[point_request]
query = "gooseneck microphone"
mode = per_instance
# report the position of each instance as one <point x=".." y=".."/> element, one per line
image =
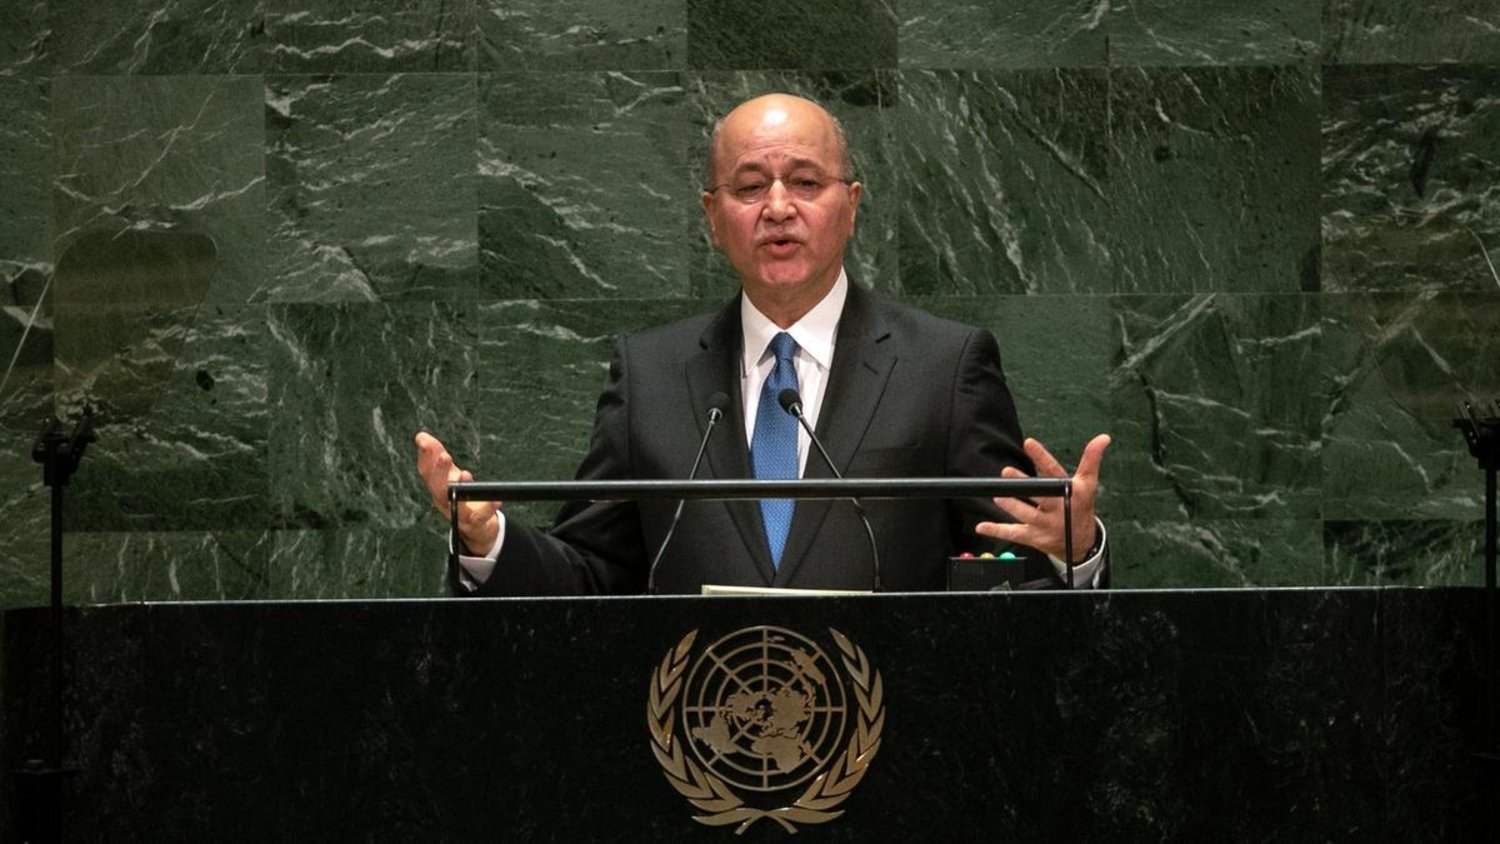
<point x="716" y="404"/>
<point x="791" y="402"/>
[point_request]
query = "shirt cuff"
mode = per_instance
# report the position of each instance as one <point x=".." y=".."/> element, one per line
<point x="1087" y="573"/>
<point x="474" y="571"/>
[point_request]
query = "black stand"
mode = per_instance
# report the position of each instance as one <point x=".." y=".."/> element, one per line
<point x="39" y="781"/>
<point x="1483" y="436"/>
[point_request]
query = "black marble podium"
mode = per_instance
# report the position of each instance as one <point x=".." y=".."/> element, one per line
<point x="1298" y="714"/>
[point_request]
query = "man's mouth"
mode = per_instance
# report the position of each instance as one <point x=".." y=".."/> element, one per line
<point x="780" y="246"/>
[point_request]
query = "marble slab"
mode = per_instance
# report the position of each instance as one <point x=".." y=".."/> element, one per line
<point x="185" y="37"/>
<point x="1397" y="366"/>
<point x="370" y="181"/>
<point x="25" y="549"/>
<point x="1219" y="553"/>
<point x="1004" y="182"/>
<point x="183" y="416"/>
<point x="1427" y="552"/>
<point x="23" y="38"/>
<point x="1217" y="407"/>
<point x="1149" y="180"/>
<point x="165" y="153"/>
<point x="584" y="188"/>
<point x="1046" y="33"/>
<point x="1410" y="198"/>
<point x="565" y="35"/>
<point x="1369" y="31"/>
<point x="25" y="252"/>
<point x="834" y="34"/>
<point x="344" y="36"/>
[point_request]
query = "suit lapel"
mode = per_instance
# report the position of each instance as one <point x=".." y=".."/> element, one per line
<point x="716" y="368"/>
<point x="862" y="362"/>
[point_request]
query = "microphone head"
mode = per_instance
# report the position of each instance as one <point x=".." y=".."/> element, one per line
<point x="791" y="401"/>
<point x="717" y="404"/>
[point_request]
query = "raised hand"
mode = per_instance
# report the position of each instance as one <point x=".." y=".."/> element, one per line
<point x="1040" y="525"/>
<point x="478" y="521"/>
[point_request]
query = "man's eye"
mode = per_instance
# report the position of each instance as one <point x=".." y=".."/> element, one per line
<point x="749" y="188"/>
<point x="806" y="183"/>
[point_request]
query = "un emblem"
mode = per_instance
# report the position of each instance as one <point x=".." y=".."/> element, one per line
<point x="760" y="712"/>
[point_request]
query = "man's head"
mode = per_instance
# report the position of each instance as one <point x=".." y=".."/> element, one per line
<point x="780" y="202"/>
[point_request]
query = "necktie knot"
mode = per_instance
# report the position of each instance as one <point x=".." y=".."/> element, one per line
<point x="783" y="347"/>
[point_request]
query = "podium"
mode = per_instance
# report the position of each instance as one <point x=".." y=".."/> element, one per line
<point x="1286" y="714"/>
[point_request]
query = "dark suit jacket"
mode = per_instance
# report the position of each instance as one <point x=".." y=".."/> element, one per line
<point x="908" y="395"/>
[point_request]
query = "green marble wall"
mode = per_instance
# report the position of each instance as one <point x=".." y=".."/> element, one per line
<point x="1246" y="238"/>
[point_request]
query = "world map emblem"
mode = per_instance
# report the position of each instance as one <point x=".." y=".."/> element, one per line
<point x="761" y="717"/>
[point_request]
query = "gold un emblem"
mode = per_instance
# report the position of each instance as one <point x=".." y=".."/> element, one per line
<point x="762" y="714"/>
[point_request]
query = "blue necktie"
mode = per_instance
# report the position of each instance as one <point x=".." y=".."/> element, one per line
<point x="773" y="448"/>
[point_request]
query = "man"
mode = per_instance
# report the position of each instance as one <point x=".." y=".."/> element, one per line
<point x="892" y="392"/>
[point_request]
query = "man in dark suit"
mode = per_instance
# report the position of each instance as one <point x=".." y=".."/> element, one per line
<point x="891" y="391"/>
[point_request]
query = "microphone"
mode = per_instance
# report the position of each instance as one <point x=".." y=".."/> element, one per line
<point x="791" y="402"/>
<point x="716" y="404"/>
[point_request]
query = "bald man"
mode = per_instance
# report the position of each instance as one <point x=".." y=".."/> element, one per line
<point x="890" y="390"/>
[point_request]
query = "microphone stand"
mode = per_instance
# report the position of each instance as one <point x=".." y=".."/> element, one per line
<point x="791" y="402"/>
<point x="39" y="782"/>
<point x="1483" y="436"/>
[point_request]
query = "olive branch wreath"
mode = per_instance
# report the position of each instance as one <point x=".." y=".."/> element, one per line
<point x="721" y="805"/>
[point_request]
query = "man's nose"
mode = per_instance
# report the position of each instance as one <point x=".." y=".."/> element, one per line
<point x="779" y="204"/>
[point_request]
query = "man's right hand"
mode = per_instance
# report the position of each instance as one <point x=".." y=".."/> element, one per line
<point x="478" y="521"/>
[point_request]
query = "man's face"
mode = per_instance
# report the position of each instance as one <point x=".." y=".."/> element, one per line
<point x="780" y="210"/>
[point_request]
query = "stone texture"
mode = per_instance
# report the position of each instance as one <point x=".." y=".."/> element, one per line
<point x="1363" y="31"/>
<point x="1223" y="553"/>
<point x="25" y="253"/>
<point x="157" y="36"/>
<point x="372" y="188"/>
<point x="25" y="548"/>
<point x="368" y="563"/>
<point x="344" y="36"/>
<point x="582" y="35"/>
<point x="123" y="567"/>
<point x="341" y="424"/>
<point x="1217" y="406"/>
<point x="1004" y="182"/>
<point x="1141" y="180"/>
<point x="181" y="397"/>
<point x="787" y="34"/>
<point x="1404" y="551"/>
<point x="23" y="38"/>
<point x="1213" y="181"/>
<point x="1045" y="33"/>
<point x="1411" y="178"/>
<point x="1397" y="365"/>
<point x="584" y="190"/>
<point x="175" y="153"/>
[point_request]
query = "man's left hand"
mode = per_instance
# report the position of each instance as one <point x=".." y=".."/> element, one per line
<point x="1040" y="524"/>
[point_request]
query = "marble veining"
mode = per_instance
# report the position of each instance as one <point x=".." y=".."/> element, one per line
<point x="371" y="183"/>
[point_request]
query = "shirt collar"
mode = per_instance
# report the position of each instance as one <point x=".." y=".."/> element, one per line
<point x="814" y="333"/>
